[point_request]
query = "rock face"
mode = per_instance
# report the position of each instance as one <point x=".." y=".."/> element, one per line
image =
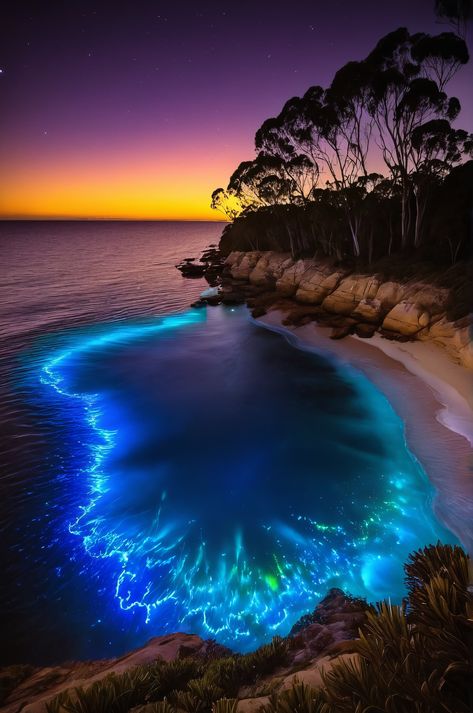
<point x="316" y="284"/>
<point x="407" y="318"/>
<point x="241" y="264"/>
<point x="349" y="293"/>
<point x="455" y="337"/>
<point x="399" y="310"/>
<point x="270" y="268"/>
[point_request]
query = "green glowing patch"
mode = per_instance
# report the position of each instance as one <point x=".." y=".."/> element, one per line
<point x="271" y="581"/>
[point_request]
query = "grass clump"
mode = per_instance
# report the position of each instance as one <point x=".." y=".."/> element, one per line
<point x="301" y="698"/>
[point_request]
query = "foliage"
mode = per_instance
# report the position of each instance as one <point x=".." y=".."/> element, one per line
<point x="190" y="684"/>
<point x="298" y="699"/>
<point x="311" y="185"/>
<point x="174" y="676"/>
<point x="418" y="659"/>
<point x="225" y="705"/>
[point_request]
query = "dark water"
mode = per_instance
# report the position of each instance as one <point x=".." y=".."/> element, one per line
<point x="167" y="468"/>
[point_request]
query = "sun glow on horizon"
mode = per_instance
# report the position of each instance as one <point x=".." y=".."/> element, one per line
<point x="138" y="182"/>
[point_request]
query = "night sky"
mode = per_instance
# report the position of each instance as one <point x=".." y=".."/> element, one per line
<point x="140" y="109"/>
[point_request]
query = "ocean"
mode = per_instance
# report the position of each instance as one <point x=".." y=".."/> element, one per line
<point x="166" y="468"/>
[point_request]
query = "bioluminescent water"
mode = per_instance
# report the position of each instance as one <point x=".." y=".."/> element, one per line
<point x="179" y="469"/>
<point x="227" y="479"/>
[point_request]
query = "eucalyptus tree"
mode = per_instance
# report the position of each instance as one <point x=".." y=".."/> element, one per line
<point x="404" y="95"/>
<point x="261" y="182"/>
<point x="456" y="12"/>
<point x="284" y="138"/>
<point x="225" y="203"/>
<point x="439" y="56"/>
<point x="331" y="130"/>
<point x="437" y="147"/>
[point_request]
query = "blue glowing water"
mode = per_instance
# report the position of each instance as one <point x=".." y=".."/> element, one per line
<point x="180" y="469"/>
<point x="231" y="479"/>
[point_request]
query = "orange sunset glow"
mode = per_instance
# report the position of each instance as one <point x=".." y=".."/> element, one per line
<point x="122" y="185"/>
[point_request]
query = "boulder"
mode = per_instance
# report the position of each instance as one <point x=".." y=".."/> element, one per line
<point x="316" y="283"/>
<point x="455" y="337"/>
<point x="390" y="293"/>
<point x="343" y="330"/>
<point x="242" y="266"/>
<point x="233" y="258"/>
<point x="350" y="292"/>
<point x="369" y="310"/>
<point x="365" y="331"/>
<point x="191" y="269"/>
<point x="290" y="279"/>
<point x="269" y="268"/>
<point x="406" y="318"/>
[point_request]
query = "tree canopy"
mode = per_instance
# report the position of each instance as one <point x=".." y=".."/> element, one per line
<point x="324" y="152"/>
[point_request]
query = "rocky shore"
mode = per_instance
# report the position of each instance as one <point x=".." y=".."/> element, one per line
<point x="347" y="301"/>
<point x="318" y="640"/>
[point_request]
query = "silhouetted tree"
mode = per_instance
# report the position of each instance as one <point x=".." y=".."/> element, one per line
<point x="456" y="12"/>
<point x="404" y="96"/>
<point x="310" y="187"/>
<point x="225" y="203"/>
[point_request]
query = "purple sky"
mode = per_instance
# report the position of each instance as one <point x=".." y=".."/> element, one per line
<point x="153" y="104"/>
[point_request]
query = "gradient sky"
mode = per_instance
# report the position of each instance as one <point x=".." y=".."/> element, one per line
<point x="140" y="109"/>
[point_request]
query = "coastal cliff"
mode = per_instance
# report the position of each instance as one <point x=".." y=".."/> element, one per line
<point x="350" y="302"/>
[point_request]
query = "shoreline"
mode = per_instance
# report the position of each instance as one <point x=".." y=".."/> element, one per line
<point x="430" y="393"/>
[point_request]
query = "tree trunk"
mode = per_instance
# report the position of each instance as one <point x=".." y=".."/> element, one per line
<point x="370" y="247"/>
<point x="354" y="237"/>
<point x="390" y="244"/>
<point x="420" y="213"/>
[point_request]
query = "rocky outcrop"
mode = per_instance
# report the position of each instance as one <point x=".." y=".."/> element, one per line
<point x="356" y="303"/>
<point x="406" y="318"/>
<point x="269" y="268"/>
<point x="317" y="284"/>
<point x="314" y="643"/>
<point x="455" y="337"/>
<point x="43" y="684"/>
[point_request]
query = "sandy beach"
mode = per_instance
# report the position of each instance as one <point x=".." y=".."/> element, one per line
<point x="431" y="394"/>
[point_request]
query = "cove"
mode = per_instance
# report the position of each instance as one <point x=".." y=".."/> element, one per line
<point x="224" y="479"/>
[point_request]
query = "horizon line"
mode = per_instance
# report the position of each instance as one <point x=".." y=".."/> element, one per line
<point x="51" y="219"/>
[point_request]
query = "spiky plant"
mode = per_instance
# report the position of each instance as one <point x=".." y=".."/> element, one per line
<point x="418" y="661"/>
<point x="158" y="707"/>
<point x="172" y="676"/>
<point x="227" y="674"/>
<point x="264" y="660"/>
<point x="225" y="705"/>
<point x="301" y="698"/>
<point x="444" y="560"/>
<point x="185" y="701"/>
<point x="206" y="692"/>
<point x="440" y="606"/>
<point x="56" y="704"/>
